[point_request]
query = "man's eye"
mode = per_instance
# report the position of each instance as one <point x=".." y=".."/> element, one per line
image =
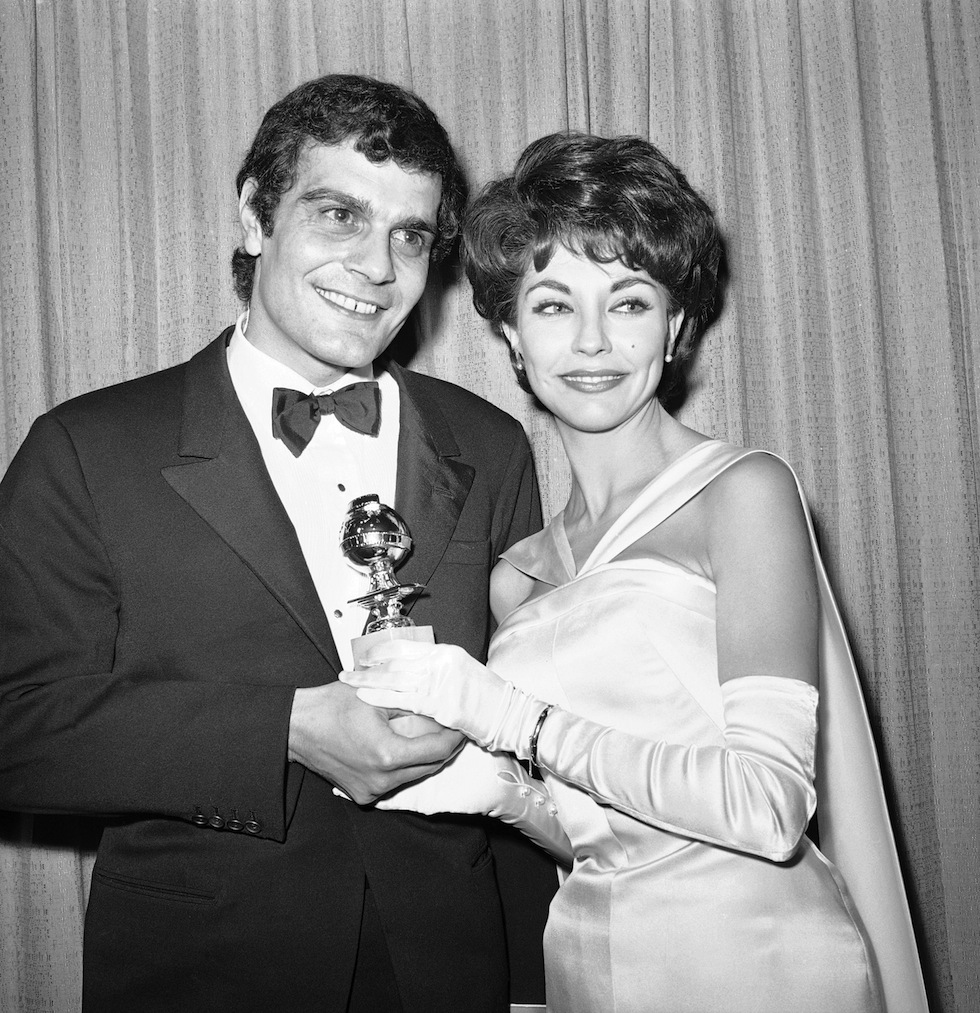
<point x="412" y="242"/>
<point x="341" y="217"/>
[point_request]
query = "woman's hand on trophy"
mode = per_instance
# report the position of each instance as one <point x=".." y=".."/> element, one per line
<point x="445" y="683"/>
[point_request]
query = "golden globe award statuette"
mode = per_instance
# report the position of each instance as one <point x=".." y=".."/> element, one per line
<point x="375" y="538"/>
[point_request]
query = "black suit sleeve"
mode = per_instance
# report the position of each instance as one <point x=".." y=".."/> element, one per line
<point x="81" y="732"/>
<point x="526" y="876"/>
<point x="518" y="505"/>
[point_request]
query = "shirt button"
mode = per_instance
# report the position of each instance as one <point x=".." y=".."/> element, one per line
<point x="342" y="487"/>
<point x="337" y="614"/>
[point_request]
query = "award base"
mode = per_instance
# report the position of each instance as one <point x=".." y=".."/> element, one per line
<point x="409" y="725"/>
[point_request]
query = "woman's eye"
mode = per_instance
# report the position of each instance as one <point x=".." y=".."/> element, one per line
<point x="550" y="308"/>
<point x="632" y="305"/>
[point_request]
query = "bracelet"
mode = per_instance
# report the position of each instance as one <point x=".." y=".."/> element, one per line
<point x="532" y="763"/>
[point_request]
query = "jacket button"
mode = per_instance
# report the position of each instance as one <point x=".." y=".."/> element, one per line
<point x="216" y="821"/>
<point x="252" y="826"/>
<point x="235" y="823"/>
<point x="199" y="819"/>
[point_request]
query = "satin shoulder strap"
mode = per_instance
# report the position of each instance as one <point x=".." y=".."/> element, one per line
<point x="665" y="495"/>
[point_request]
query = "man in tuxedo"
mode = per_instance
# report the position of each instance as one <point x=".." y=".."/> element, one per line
<point x="174" y="609"/>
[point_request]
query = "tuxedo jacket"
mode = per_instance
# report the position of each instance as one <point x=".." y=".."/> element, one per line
<point x="157" y="614"/>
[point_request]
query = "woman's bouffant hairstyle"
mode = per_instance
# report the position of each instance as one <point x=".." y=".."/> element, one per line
<point x="382" y="120"/>
<point x="607" y="199"/>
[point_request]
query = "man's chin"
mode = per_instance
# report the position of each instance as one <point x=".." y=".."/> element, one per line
<point x="345" y="356"/>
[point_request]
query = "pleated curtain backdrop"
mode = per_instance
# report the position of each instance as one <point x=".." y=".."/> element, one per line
<point x="838" y="140"/>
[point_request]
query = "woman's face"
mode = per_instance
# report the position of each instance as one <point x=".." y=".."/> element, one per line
<point x="593" y="338"/>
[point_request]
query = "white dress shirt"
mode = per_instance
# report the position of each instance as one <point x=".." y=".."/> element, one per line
<point x="316" y="488"/>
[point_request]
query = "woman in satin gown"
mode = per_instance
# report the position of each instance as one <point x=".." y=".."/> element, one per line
<point x="662" y="641"/>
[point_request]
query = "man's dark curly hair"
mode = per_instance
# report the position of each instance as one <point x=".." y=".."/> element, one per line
<point x="606" y="199"/>
<point x="383" y="121"/>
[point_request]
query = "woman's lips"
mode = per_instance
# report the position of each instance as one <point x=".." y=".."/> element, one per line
<point x="591" y="382"/>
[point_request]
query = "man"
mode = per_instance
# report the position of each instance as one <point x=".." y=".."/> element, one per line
<point x="175" y="606"/>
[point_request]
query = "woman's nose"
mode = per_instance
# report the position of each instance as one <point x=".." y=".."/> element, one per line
<point x="591" y="337"/>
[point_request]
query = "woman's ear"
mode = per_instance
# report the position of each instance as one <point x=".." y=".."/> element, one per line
<point x="512" y="338"/>
<point x="251" y="226"/>
<point x="674" y="325"/>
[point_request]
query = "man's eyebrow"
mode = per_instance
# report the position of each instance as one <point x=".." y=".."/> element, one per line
<point x="326" y="195"/>
<point x="417" y="224"/>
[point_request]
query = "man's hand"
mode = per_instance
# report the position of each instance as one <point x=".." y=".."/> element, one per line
<point x="353" y="746"/>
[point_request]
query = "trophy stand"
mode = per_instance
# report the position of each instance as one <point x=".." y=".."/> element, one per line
<point x="375" y="538"/>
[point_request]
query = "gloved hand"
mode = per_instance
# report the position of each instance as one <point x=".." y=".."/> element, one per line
<point x="489" y="784"/>
<point x="445" y="683"/>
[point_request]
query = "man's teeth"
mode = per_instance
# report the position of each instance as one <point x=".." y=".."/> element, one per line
<point x="347" y="303"/>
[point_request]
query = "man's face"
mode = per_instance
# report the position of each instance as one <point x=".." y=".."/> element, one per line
<point x="346" y="262"/>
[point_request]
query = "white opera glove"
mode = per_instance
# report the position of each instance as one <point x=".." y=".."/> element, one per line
<point x="445" y="683"/>
<point x="488" y="784"/>
<point x="753" y="794"/>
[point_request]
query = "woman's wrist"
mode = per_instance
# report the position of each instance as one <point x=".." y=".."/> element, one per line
<point x="532" y="746"/>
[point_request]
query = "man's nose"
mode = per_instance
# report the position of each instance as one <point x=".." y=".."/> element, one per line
<point x="370" y="256"/>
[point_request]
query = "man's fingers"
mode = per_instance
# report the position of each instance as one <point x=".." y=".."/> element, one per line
<point x="430" y="748"/>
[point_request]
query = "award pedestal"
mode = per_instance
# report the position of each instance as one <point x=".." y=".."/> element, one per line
<point x="360" y="645"/>
<point x="409" y="725"/>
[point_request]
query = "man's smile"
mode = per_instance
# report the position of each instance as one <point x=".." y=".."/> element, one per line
<point x="347" y="303"/>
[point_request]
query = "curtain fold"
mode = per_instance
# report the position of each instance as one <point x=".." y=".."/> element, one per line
<point x="839" y="142"/>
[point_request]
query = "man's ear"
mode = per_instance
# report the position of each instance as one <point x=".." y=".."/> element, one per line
<point x="251" y="227"/>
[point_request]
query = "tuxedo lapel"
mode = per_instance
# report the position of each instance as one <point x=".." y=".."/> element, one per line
<point x="432" y="486"/>
<point x="226" y="482"/>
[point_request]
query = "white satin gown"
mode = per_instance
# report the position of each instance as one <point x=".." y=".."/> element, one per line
<point x="651" y="921"/>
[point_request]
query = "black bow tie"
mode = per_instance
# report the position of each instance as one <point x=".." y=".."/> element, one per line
<point x="295" y="416"/>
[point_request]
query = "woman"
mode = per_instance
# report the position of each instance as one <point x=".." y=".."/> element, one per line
<point x="659" y="651"/>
